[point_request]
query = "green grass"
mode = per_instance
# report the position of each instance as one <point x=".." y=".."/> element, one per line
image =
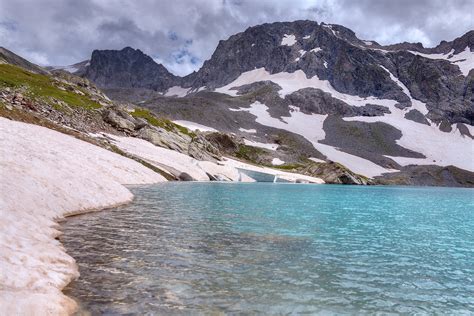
<point x="288" y="166"/>
<point x="249" y="153"/>
<point x="42" y="88"/>
<point x="160" y="122"/>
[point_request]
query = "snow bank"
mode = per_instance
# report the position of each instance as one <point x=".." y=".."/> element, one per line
<point x="177" y="163"/>
<point x="195" y="126"/>
<point x="46" y="175"/>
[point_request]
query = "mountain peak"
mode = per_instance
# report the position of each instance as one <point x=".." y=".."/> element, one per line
<point x="128" y="68"/>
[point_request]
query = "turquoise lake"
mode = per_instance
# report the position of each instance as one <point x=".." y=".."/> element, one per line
<point x="233" y="248"/>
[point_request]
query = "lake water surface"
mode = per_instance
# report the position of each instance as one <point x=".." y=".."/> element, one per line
<point x="233" y="248"/>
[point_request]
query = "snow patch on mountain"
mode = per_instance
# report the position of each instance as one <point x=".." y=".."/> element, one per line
<point x="277" y="162"/>
<point x="177" y="91"/>
<point x="288" y="40"/>
<point x="291" y="82"/>
<point x="464" y="60"/>
<point x="439" y="148"/>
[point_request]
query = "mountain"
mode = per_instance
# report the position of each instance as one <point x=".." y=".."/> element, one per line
<point x="78" y="69"/>
<point x="127" y="68"/>
<point x="316" y="91"/>
<point x="8" y="57"/>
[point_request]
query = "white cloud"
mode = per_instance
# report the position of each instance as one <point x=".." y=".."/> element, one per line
<point x="68" y="30"/>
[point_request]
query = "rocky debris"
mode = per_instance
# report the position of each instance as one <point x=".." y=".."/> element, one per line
<point x="445" y="126"/>
<point x="449" y="176"/>
<point x="333" y="173"/>
<point x="162" y="138"/>
<point x="119" y="119"/>
<point x="201" y="149"/>
<point x="416" y="116"/>
<point x="225" y="143"/>
<point x="464" y="130"/>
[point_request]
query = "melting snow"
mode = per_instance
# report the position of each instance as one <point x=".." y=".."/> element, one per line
<point x="292" y="177"/>
<point x="288" y="40"/>
<point x="315" y="50"/>
<point x="47" y="175"/>
<point x="307" y="37"/>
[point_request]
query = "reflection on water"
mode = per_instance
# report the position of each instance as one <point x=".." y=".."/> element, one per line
<point x="210" y="248"/>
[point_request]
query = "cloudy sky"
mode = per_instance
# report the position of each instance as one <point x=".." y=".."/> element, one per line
<point x="183" y="33"/>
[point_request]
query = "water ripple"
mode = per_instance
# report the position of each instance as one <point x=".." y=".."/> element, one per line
<point x="204" y="248"/>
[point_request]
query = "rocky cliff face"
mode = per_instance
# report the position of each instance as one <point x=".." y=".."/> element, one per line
<point x="352" y="66"/>
<point x="127" y="68"/>
<point x="437" y="76"/>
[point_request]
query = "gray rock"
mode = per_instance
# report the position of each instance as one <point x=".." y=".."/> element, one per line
<point x="464" y="130"/>
<point x="416" y="116"/>
<point x="118" y="121"/>
<point x="128" y="68"/>
<point x="429" y="176"/>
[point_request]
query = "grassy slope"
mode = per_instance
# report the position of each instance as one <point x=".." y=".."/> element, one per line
<point x="42" y="88"/>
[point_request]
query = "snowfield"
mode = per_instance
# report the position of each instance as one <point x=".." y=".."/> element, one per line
<point x="291" y="82"/>
<point x="46" y="175"/>
<point x="438" y="147"/>
<point x="310" y="126"/>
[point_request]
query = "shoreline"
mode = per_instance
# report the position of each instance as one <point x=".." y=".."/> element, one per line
<point x="46" y="177"/>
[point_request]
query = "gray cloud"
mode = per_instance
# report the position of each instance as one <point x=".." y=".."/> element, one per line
<point x="183" y="33"/>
